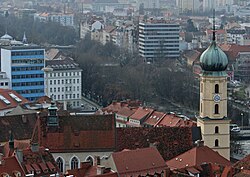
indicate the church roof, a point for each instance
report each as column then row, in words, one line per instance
column 7, row 37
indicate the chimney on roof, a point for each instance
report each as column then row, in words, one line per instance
column 52, row 119
column 34, row 147
column 97, row 161
column 19, row 154
column 1, row 159
column 11, row 141
column 100, row 170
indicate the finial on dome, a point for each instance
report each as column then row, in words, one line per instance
column 214, row 25
column 24, row 38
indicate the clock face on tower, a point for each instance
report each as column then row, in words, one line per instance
column 216, row 97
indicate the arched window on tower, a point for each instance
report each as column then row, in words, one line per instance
column 216, row 143
column 59, row 162
column 216, row 129
column 74, row 163
column 216, row 109
column 216, row 88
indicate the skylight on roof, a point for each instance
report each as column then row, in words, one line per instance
column 15, row 97
column 4, row 99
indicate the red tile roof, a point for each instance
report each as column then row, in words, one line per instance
column 154, row 118
column 138, row 162
column 170, row 141
column 218, row 32
column 41, row 162
column 77, row 133
column 18, row 144
column 171, row 120
column 11, row 101
column 196, row 157
column 233, row 49
column 141, row 113
column 21, row 126
column 243, row 163
column 10, row 166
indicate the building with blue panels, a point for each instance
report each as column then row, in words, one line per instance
column 23, row 65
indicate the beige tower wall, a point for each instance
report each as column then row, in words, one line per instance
column 209, row 120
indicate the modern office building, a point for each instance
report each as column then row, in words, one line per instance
column 23, row 64
column 63, row 81
column 159, row 39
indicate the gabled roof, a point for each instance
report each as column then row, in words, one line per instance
column 141, row 113
column 10, row 99
column 171, row 120
column 11, row 166
column 139, row 162
column 218, row 31
column 196, row 157
column 154, row 118
column 243, row 163
column 20, row 125
column 18, row 144
column 77, row 133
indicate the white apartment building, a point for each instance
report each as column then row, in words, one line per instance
column 63, row 81
column 64, row 19
column 236, row 36
column 4, row 81
column 159, row 39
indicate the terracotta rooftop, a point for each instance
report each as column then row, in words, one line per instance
column 170, row 141
column 10, row 99
column 154, row 118
column 77, row 133
column 141, row 113
column 171, row 120
column 243, row 163
column 218, row 31
column 138, row 162
column 10, row 166
column 196, row 157
column 40, row 161
column 20, row 125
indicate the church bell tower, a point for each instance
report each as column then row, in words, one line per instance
column 213, row 100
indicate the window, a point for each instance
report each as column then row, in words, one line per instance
column 59, row 162
column 216, row 109
column 74, row 163
column 90, row 159
column 216, row 143
column 55, row 82
column 62, row 97
column 58, row 81
column 54, row 89
column 201, row 107
column 50, row 82
column 216, row 129
column 62, row 81
column 216, row 88
column 201, row 87
column 58, row 89
column 77, row 80
column 62, row 89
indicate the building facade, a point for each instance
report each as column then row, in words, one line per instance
column 159, row 39
column 4, row 81
column 63, row 80
column 213, row 118
column 23, row 65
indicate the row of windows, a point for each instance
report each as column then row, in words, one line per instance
column 64, row 74
column 160, row 50
column 159, row 26
column 4, row 83
column 66, row 96
column 27, row 76
column 27, row 68
column 27, row 84
column 30, row 91
column 157, row 54
column 74, row 163
column 59, row 89
column 161, row 38
column 158, row 41
column 160, row 45
column 216, row 109
column 67, row 81
column 157, row 34
column 22, row 53
column 28, row 61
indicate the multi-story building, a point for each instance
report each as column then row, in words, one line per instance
column 236, row 36
column 186, row 6
column 63, row 81
column 64, row 19
column 23, row 65
column 159, row 39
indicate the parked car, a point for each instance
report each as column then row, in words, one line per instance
column 234, row 128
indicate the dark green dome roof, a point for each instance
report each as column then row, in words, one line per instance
column 213, row 59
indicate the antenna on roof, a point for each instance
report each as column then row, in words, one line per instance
column 214, row 25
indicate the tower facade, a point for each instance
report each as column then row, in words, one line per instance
column 213, row 100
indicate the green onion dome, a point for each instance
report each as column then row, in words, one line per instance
column 213, row 59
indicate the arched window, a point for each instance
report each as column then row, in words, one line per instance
column 74, row 163
column 216, row 88
column 216, row 143
column 90, row 159
column 59, row 162
column 216, row 129
column 216, row 109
